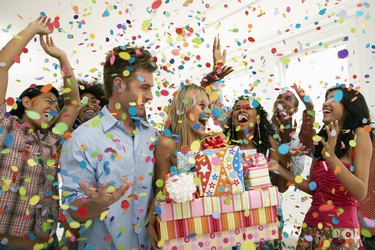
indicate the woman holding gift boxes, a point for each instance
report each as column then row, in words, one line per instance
column 249, row 128
column 188, row 114
column 187, row 117
column 339, row 173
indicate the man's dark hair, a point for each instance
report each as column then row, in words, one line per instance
column 122, row 61
column 94, row 88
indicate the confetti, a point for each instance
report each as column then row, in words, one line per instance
column 283, row 149
column 156, row 4
column 34, row 200
column 342, row 53
column 338, row 95
column 60, row 128
column 312, row 185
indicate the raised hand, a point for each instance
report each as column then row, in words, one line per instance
column 219, row 56
column 15, row 46
column 102, row 197
column 219, row 70
column 41, row 26
column 50, row 48
column 329, row 145
column 307, row 101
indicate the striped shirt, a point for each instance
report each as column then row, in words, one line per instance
column 28, row 179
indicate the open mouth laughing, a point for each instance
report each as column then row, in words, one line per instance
column 242, row 118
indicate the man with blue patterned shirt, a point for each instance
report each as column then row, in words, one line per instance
column 107, row 166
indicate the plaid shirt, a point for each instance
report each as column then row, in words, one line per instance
column 27, row 173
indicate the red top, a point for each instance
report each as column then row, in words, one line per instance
column 332, row 205
column 367, row 206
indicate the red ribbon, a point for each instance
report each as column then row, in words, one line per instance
column 212, row 142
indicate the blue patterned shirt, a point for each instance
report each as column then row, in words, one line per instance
column 102, row 150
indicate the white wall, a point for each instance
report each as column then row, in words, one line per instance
column 271, row 25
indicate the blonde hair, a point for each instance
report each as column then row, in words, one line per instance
column 181, row 103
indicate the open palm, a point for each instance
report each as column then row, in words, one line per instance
column 42, row 25
column 50, row 48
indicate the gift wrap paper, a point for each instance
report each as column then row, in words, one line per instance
column 221, row 240
column 220, row 171
column 217, row 222
column 204, row 206
column 255, row 174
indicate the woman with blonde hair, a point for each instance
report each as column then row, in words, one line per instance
column 188, row 113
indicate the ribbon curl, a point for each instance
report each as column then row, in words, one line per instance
column 213, row 142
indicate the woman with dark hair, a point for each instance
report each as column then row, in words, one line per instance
column 31, row 137
column 239, row 128
column 249, row 128
column 339, row 173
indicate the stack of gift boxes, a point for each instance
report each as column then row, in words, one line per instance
column 235, row 201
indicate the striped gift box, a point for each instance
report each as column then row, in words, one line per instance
column 225, row 239
column 255, row 169
column 205, row 206
column 256, row 177
column 217, row 222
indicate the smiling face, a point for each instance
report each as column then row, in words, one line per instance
column 244, row 116
column 332, row 110
column 41, row 111
column 90, row 107
column 198, row 115
column 285, row 103
column 132, row 94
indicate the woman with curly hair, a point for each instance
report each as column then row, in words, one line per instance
column 339, row 173
column 249, row 128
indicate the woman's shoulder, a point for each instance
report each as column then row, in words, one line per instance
column 166, row 143
column 362, row 131
column 362, row 136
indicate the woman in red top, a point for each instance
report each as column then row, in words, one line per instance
column 339, row 175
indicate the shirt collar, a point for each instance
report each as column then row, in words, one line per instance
column 109, row 121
